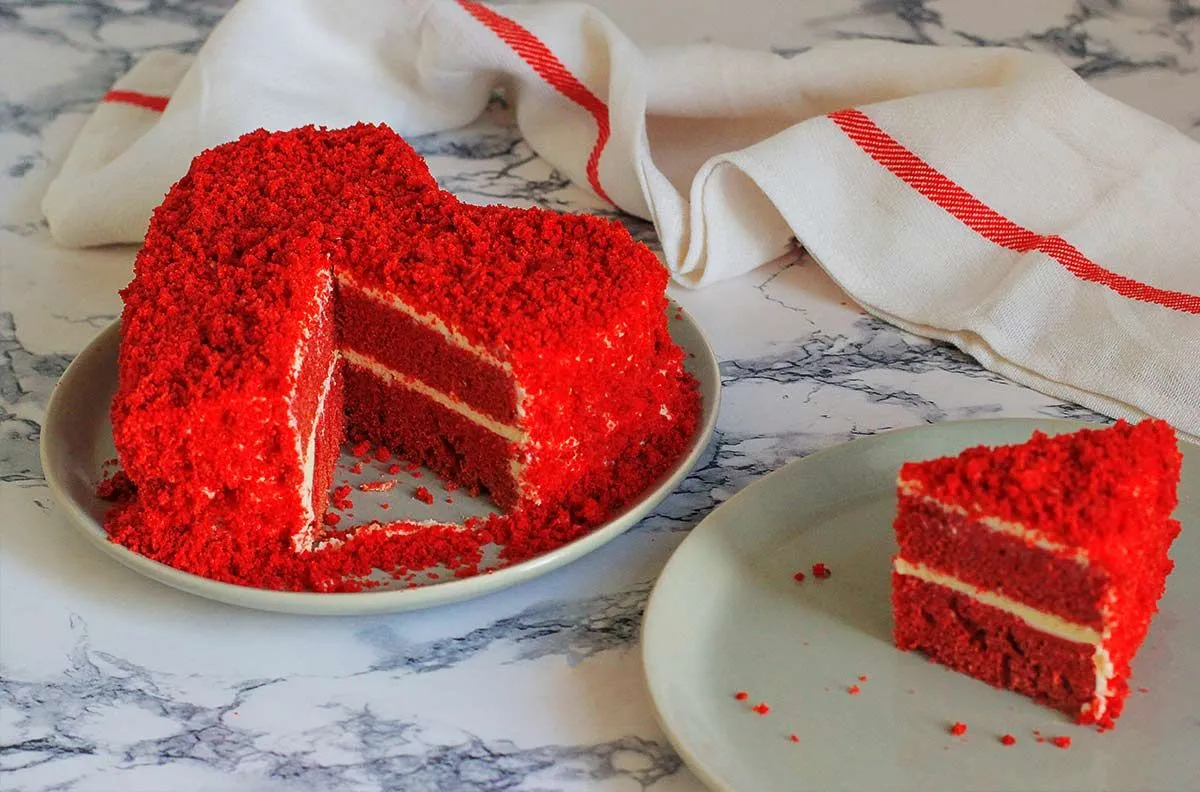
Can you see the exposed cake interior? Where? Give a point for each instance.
(1038, 567)
(296, 288)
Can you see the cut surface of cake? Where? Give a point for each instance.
(299, 287)
(1038, 567)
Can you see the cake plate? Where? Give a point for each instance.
(726, 616)
(77, 441)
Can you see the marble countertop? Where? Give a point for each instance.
(110, 681)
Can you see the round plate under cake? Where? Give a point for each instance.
(726, 616)
(77, 441)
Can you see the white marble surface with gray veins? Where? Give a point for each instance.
(109, 681)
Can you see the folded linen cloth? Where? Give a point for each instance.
(985, 197)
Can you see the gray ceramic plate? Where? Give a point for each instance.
(77, 440)
(726, 615)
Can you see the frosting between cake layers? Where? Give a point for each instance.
(913, 489)
(511, 433)
(435, 324)
(1048, 623)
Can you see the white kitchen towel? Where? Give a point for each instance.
(986, 197)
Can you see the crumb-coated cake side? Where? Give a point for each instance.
(298, 287)
(1038, 567)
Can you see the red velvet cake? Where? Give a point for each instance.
(296, 287)
(1038, 567)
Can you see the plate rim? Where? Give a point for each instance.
(377, 601)
(702, 770)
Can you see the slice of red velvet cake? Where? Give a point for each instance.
(298, 286)
(1038, 567)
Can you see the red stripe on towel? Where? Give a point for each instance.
(547, 66)
(156, 103)
(990, 224)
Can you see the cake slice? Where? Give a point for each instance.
(1037, 567)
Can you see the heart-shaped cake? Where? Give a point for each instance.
(299, 287)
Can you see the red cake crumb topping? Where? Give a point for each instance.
(1008, 739)
(958, 729)
(1120, 479)
(820, 571)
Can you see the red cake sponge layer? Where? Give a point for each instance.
(994, 646)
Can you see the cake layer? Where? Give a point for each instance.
(444, 440)
(384, 329)
(996, 647)
(999, 560)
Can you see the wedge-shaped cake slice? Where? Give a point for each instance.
(1038, 567)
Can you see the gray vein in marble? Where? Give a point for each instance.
(24, 378)
(576, 630)
(56, 724)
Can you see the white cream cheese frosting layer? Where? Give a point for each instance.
(1049, 623)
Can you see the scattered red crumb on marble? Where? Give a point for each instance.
(450, 486)
(761, 708)
(1143, 690)
(424, 495)
(416, 474)
(376, 486)
(958, 729)
(382, 454)
(863, 677)
(741, 695)
(361, 450)
(1037, 735)
(854, 690)
(794, 737)
(385, 505)
(331, 519)
(1008, 739)
(356, 468)
(798, 577)
(393, 468)
(820, 571)
(1061, 741)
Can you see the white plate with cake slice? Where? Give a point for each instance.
(763, 682)
(77, 453)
